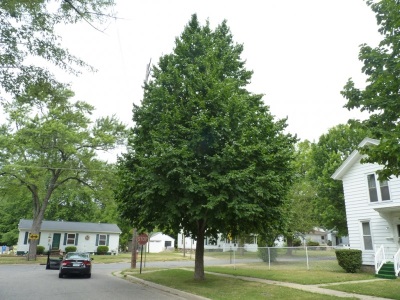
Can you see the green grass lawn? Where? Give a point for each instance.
(221, 288)
(386, 288)
(300, 276)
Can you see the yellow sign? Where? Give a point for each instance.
(33, 236)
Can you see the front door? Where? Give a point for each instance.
(56, 241)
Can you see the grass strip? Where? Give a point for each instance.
(385, 288)
(223, 288)
(295, 276)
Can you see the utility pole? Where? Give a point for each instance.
(134, 233)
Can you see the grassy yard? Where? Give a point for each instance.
(383, 288)
(123, 257)
(222, 288)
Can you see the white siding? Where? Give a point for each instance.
(359, 208)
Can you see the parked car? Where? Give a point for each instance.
(76, 263)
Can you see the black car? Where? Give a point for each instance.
(76, 263)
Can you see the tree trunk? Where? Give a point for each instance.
(36, 225)
(289, 240)
(199, 256)
(38, 215)
(134, 249)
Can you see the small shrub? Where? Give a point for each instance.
(296, 242)
(102, 250)
(39, 250)
(312, 243)
(70, 249)
(263, 254)
(349, 259)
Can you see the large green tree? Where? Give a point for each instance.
(50, 141)
(380, 97)
(206, 155)
(327, 155)
(29, 42)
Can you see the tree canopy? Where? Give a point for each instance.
(381, 97)
(28, 39)
(206, 156)
(327, 155)
(48, 142)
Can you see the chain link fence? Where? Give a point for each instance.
(306, 258)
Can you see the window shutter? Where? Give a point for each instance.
(40, 234)
(76, 239)
(65, 238)
(97, 239)
(108, 238)
(26, 238)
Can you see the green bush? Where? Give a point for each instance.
(296, 242)
(70, 249)
(39, 250)
(349, 259)
(312, 243)
(263, 254)
(102, 250)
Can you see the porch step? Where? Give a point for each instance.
(387, 271)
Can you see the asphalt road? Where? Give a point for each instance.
(35, 282)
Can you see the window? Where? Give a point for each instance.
(71, 239)
(383, 194)
(367, 238)
(102, 239)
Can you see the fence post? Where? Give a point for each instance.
(269, 259)
(308, 267)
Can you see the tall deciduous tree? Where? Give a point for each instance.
(381, 97)
(27, 30)
(327, 155)
(50, 141)
(206, 155)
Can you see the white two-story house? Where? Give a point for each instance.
(372, 209)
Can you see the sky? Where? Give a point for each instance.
(301, 52)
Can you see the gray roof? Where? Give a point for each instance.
(71, 226)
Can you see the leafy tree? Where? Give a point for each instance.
(27, 30)
(300, 218)
(381, 97)
(48, 142)
(327, 155)
(14, 205)
(206, 156)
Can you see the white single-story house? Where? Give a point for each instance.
(60, 234)
(219, 244)
(324, 237)
(372, 209)
(159, 242)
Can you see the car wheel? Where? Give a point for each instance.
(89, 275)
(60, 275)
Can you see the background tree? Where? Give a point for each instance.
(381, 97)
(48, 142)
(27, 31)
(206, 155)
(14, 205)
(299, 217)
(327, 155)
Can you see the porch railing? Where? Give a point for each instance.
(380, 258)
(397, 263)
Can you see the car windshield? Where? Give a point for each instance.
(74, 255)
